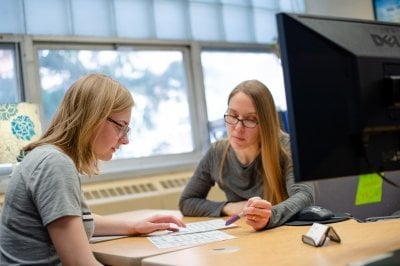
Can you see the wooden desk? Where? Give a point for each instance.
(131, 250)
(283, 246)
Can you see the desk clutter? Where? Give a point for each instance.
(318, 233)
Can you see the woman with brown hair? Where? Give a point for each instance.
(253, 166)
(45, 219)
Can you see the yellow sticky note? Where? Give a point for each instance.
(369, 189)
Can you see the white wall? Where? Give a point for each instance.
(359, 9)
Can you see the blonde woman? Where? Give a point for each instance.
(45, 220)
(252, 166)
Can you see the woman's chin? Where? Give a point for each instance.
(105, 157)
(237, 143)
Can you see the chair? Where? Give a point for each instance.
(19, 125)
(339, 194)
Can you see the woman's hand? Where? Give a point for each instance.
(258, 212)
(156, 223)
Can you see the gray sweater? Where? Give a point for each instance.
(241, 182)
(43, 188)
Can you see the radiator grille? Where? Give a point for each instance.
(160, 192)
(136, 187)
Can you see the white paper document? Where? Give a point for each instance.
(194, 234)
(170, 241)
(204, 226)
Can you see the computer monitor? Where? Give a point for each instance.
(342, 82)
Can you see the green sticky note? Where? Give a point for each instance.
(369, 189)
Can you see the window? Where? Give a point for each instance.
(10, 91)
(157, 80)
(251, 21)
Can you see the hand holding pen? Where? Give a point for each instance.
(257, 212)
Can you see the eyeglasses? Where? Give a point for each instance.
(123, 129)
(233, 120)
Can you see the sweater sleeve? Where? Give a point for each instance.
(301, 196)
(193, 200)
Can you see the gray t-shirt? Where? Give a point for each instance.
(241, 182)
(44, 187)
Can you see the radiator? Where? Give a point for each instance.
(149, 192)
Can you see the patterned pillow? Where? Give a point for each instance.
(19, 125)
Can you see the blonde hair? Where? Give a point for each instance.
(85, 106)
(272, 152)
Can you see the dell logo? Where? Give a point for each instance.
(389, 40)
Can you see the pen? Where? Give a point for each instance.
(234, 219)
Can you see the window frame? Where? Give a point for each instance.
(14, 43)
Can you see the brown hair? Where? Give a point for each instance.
(85, 106)
(270, 131)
